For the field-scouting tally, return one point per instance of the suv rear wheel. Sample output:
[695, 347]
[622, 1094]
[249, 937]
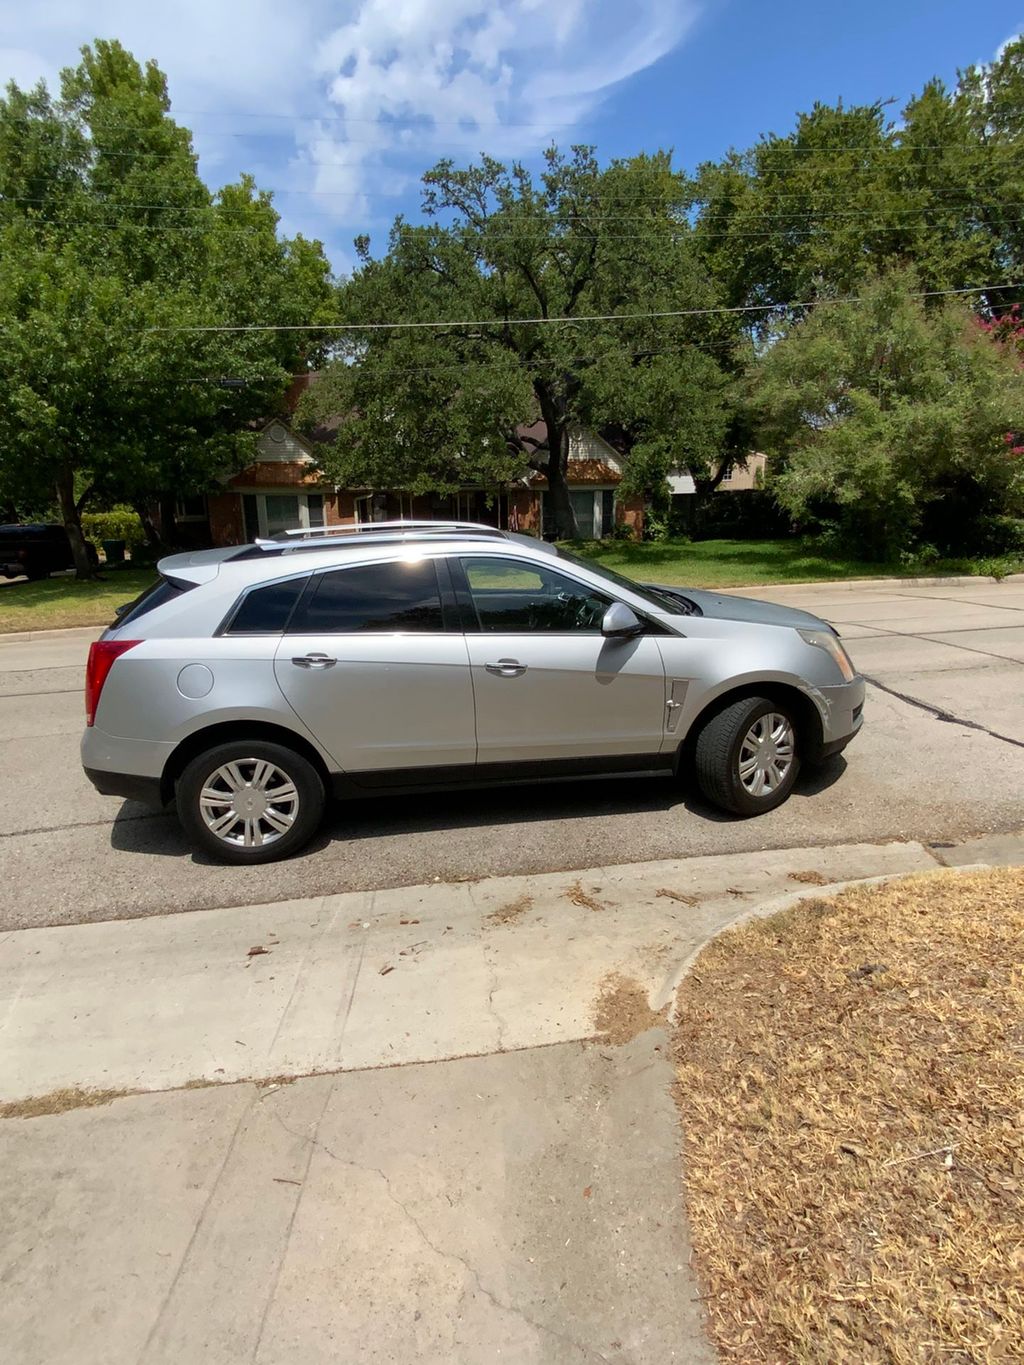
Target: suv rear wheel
[250, 801]
[748, 756]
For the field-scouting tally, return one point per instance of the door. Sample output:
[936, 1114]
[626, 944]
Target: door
[370, 668]
[548, 686]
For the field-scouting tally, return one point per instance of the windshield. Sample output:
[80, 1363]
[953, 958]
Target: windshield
[662, 601]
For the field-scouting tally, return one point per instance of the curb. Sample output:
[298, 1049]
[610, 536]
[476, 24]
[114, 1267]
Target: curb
[855, 584]
[19, 637]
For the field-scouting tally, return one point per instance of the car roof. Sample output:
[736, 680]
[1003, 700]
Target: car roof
[304, 551]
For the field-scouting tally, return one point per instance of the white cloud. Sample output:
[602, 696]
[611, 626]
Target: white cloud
[454, 77]
[351, 99]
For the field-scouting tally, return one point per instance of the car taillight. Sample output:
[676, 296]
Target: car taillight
[102, 654]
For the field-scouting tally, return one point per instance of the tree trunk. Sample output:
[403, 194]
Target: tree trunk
[705, 487]
[72, 518]
[168, 525]
[144, 511]
[558, 488]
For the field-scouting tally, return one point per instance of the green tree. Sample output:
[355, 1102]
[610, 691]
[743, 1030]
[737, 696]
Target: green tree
[801, 215]
[430, 407]
[880, 414]
[851, 193]
[110, 246]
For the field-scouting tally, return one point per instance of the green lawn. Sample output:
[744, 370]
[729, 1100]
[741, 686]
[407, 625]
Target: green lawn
[746, 563]
[55, 602]
[699, 564]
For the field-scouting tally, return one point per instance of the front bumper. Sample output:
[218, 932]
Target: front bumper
[842, 714]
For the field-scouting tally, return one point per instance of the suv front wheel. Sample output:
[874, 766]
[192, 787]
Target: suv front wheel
[748, 756]
[250, 801]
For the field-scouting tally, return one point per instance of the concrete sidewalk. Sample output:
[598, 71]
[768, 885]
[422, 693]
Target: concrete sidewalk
[377, 978]
[411, 1203]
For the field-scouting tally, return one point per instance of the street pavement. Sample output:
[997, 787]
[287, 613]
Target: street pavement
[939, 759]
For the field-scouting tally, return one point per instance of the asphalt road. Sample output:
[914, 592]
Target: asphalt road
[940, 758]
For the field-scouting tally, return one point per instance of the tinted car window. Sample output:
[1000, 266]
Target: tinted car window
[163, 590]
[396, 597]
[265, 611]
[657, 598]
[512, 596]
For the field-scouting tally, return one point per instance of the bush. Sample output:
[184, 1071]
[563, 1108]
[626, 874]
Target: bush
[733, 514]
[120, 523]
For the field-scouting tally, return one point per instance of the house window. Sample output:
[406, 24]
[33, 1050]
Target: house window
[594, 509]
[190, 507]
[395, 506]
[268, 514]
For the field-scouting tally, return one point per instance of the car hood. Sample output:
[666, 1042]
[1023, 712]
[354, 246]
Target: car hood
[728, 608]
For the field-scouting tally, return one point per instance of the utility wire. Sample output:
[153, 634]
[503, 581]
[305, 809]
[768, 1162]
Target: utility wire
[220, 210]
[542, 321]
[421, 122]
[888, 150]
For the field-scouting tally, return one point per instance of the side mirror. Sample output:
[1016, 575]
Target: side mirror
[620, 622]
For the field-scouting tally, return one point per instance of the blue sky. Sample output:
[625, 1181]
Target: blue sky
[340, 105]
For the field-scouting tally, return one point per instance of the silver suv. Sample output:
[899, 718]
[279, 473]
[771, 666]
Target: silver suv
[250, 683]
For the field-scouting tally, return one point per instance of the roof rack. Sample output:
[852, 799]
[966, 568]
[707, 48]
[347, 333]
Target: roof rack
[377, 533]
[371, 527]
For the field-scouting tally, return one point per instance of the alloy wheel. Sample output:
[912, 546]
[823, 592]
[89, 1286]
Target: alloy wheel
[766, 754]
[249, 803]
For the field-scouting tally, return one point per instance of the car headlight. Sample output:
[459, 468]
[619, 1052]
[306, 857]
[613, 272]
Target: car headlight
[824, 639]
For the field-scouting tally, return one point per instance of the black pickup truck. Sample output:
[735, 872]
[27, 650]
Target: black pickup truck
[37, 550]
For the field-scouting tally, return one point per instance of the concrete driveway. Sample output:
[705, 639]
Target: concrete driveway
[939, 759]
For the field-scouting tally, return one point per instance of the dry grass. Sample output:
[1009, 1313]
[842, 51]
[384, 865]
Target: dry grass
[59, 1102]
[582, 898]
[511, 912]
[852, 1088]
[682, 896]
[622, 1011]
[809, 877]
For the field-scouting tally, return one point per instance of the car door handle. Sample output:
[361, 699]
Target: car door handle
[314, 661]
[506, 668]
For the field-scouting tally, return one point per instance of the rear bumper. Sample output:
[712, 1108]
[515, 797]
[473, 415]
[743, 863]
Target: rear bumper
[130, 768]
[130, 786]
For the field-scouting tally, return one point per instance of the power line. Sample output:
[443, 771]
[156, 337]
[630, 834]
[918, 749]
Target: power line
[722, 235]
[418, 121]
[447, 367]
[217, 210]
[542, 321]
[887, 150]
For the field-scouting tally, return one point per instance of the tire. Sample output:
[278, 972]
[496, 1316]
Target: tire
[730, 740]
[283, 826]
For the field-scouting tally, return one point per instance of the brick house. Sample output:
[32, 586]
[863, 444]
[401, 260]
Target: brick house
[284, 488]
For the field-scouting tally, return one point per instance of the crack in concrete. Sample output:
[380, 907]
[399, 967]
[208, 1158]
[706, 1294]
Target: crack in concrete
[500, 1021]
[942, 715]
[933, 638]
[587, 1352]
[85, 824]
